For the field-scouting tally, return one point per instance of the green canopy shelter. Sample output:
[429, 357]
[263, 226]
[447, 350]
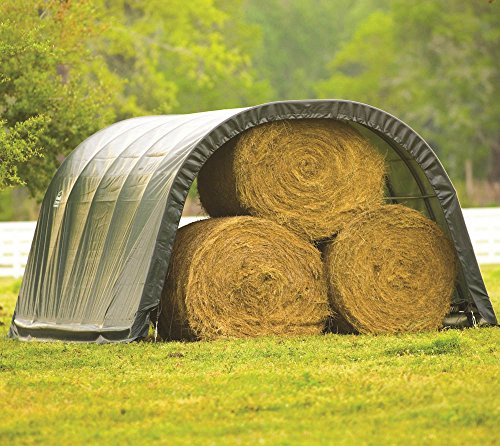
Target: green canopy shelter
[109, 218]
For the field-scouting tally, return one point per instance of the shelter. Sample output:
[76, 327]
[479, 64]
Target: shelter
[109, 218]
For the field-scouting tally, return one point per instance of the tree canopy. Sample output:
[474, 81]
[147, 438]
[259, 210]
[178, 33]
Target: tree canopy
[69, 68]
[435, 65]
[51, 94]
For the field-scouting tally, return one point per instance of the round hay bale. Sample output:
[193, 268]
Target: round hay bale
[309, 175]
[242, 277]
[391, 270]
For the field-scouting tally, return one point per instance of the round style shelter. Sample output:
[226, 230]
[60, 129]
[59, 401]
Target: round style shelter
[109, 218]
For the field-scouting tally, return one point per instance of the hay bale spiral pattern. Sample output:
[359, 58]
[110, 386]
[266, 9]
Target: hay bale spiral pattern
[391, 270]
[239, 277]
[310, 176]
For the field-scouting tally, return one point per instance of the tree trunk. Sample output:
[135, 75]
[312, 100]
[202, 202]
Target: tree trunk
[469, 178]
[494, 175]
[63, 71]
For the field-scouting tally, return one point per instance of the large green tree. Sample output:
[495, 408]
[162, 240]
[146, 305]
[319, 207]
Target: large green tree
[50, 96]
[179, 56]
[72, 67]
[435, 64]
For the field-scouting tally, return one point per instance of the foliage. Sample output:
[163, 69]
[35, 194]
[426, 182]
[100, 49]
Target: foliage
[50, 99]
[19, 144]
[71, 67]
[432, 388]
[16, 204]
[179, 56]
[436, 65]
[78, 66]
[365, 69]
[299, 39]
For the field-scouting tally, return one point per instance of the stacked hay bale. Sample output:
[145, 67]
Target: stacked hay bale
[296, 185]
[242, 276]
[390, 271]
[310, 176]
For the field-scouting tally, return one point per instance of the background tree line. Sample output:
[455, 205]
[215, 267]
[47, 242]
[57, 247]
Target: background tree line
[69, 68]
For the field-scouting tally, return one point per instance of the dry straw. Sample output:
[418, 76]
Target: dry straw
[239, 277]
[309, 175]
[391, 270]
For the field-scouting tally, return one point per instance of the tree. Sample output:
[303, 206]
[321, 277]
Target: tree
[18, 145]
[455, 88]
[179, 56]
[436, 65]
[365, 68]
[300, 38]
[51, 98]
[70, 68]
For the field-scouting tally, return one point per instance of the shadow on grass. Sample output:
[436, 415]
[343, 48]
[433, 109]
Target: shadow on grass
[441, 346]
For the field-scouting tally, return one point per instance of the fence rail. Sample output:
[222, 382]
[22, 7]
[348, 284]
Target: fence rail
[15, 245]
[483, 225]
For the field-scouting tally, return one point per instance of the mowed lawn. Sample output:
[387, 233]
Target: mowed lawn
[433, 388]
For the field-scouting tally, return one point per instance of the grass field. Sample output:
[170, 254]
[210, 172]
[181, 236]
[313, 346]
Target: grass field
[425, 389]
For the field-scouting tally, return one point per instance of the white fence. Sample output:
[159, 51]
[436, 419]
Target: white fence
[15, 244]
[483, 225]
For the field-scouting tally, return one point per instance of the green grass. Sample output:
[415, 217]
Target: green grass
[432, 388]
